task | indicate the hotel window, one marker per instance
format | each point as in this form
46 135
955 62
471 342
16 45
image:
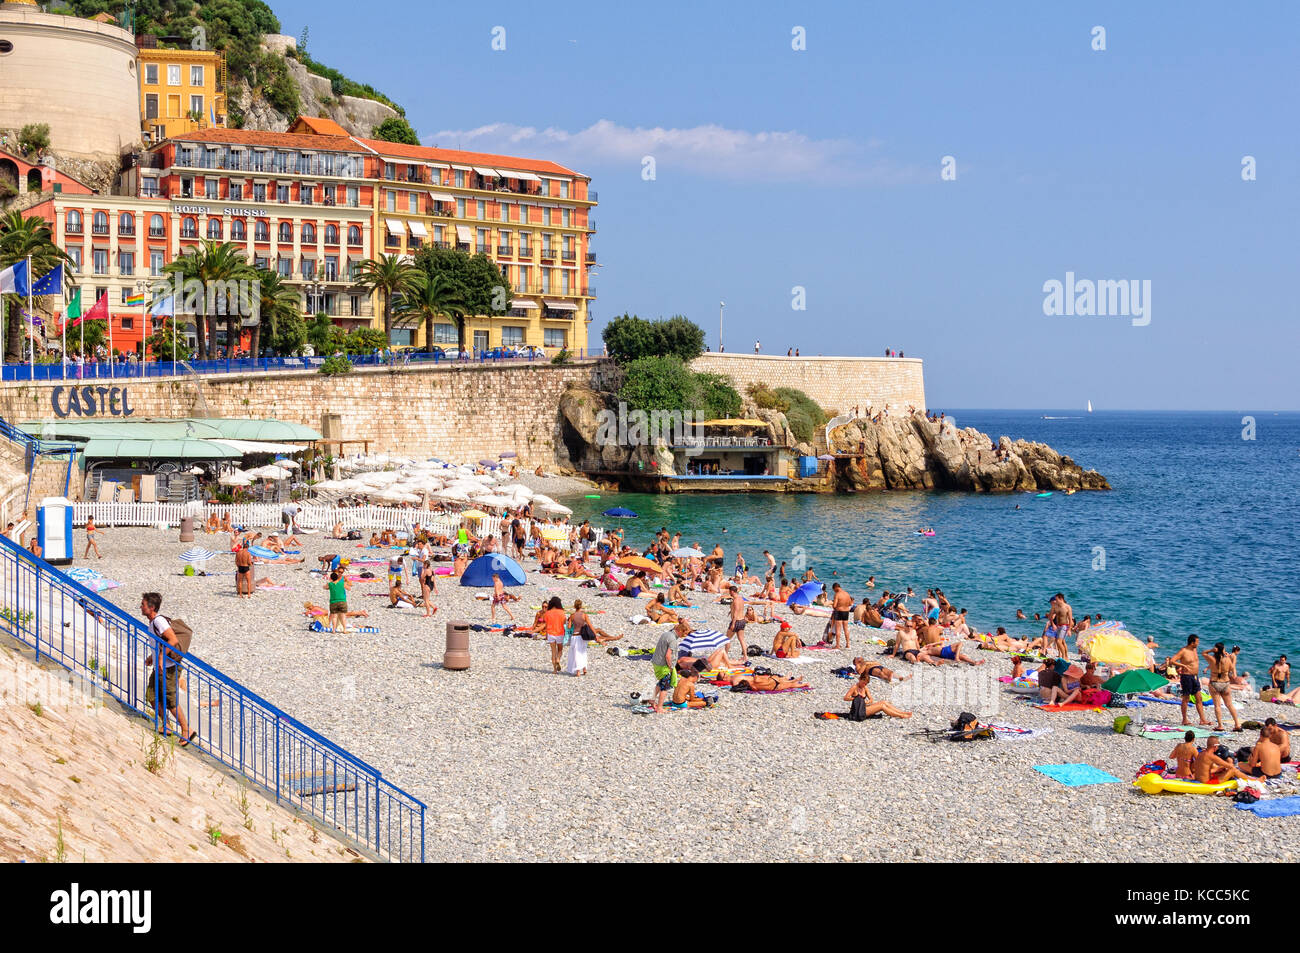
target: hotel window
211 188
151 106
355 301
354 196
236 190
481 240
128 324
214 228
286 232
460 208
282 193
306 194
155 263
309 267
259 192
564 190
196 75
354 235
524 250
126 263
390 201
329 165
503 243
331 267
149 187
261 232
481 210
100 293
238 231
73 223
460 178
564 282
331 235
413 202
173 75
309 233
99 224
328 194
261 262
283 266
512 336
100 260
188 228
444 334
390 171
546 216
546 281
503 212
554 337
564 217
74 252
151 74
523 212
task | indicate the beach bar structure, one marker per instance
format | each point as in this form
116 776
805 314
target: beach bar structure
728 455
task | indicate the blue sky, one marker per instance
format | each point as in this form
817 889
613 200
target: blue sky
820 169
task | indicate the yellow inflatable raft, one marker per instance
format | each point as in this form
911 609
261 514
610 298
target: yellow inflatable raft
1155 783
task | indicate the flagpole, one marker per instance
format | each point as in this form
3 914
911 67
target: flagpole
63 329
31 317
111 359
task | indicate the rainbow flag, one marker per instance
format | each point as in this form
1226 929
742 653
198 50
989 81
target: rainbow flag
135 299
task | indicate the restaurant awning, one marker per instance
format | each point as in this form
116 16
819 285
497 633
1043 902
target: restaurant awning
464 233
559 305
522 303
108 449
734 422
418 229
240 428
259 446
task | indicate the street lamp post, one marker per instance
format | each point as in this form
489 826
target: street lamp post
721 305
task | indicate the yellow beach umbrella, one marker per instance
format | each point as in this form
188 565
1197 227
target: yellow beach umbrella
1118 647
555 533
639 562
473 514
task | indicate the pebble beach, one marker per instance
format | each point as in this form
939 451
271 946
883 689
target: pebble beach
518 763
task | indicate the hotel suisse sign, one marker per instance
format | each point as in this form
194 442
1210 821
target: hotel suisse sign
213 210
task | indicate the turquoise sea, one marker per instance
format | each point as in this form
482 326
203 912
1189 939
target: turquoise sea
1199 534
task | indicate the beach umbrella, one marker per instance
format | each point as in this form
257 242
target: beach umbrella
474 514
556 534
540 498
557 508
479 573
487 463
686 551
703 642
826 456
805 594
194 554
494 499
638 562
233 479
195 471
619 512
1134 681
1118 648
290 464
507 453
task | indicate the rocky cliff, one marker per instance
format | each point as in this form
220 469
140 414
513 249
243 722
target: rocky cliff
905 452
316 98
912 453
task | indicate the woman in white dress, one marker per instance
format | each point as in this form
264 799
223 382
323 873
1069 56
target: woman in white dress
579 628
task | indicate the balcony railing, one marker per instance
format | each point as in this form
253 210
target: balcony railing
480 249
548 253
72 229
504 250
525 251
568 255
591 257
591 196
126 229
99 230
336 169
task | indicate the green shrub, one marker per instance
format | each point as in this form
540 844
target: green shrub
803 413
563 357
718 398
34 138
659 383
396 129
629 338
336 364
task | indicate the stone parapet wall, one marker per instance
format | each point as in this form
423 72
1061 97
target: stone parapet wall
836 383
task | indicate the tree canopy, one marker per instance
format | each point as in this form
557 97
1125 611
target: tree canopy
396 129
629 338
665 382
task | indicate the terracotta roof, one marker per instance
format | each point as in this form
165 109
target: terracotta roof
281 140
430 154
318 125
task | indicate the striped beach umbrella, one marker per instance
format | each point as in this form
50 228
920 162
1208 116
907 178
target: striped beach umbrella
703 642
195 555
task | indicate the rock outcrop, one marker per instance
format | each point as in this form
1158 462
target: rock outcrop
913 453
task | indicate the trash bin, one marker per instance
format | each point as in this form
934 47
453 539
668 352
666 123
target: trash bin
456 657
187 529
54 530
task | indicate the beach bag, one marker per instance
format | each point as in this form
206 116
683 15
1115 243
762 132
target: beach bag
184 635
1120 724
858 709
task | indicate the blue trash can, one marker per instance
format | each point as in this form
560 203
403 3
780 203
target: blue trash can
54 530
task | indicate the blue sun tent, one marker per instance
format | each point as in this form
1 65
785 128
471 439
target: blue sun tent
479 572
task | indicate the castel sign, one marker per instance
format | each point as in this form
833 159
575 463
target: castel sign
91 402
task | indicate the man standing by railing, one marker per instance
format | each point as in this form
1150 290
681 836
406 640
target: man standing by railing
150 603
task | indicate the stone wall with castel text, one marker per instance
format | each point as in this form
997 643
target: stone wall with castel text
836 383
460 414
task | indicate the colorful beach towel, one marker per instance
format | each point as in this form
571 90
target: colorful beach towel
1075 775
1075 706
1176 732
1273 807
322 627
777 691
1017 731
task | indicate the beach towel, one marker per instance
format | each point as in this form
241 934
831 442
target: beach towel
631 653
1176 732
1017 731
1274 807
275 588
793 660
1075 775
1075 706
776 691
322 627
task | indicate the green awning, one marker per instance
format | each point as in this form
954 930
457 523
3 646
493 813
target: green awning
110 449
120 429
235 428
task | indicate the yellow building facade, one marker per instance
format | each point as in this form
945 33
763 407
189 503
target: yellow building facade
181 91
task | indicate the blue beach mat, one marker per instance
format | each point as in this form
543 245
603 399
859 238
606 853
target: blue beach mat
1075 775
1277 807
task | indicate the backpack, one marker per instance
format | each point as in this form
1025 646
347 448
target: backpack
184 635
858 709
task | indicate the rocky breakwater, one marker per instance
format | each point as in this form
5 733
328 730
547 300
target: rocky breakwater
912 453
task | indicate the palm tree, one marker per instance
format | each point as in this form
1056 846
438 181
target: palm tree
19 238
209 263
278 302
432 297
389 275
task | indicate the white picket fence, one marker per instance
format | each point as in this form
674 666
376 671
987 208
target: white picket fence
267 516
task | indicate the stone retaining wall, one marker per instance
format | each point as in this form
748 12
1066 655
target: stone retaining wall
837 383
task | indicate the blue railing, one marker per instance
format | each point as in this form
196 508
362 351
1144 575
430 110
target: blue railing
104 370
59 618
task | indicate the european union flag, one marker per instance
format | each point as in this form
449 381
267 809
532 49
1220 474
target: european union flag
50 283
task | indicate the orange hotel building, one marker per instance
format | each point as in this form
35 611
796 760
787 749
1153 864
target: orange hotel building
313 202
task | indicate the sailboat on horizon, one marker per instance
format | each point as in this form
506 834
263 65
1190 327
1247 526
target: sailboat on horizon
1089 406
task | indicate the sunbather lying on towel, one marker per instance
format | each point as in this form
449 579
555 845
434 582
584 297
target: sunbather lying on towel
765 683
940 653
311 610
875 669
659 612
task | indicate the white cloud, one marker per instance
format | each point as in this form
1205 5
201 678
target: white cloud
710 150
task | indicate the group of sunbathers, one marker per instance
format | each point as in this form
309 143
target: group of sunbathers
1214 764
